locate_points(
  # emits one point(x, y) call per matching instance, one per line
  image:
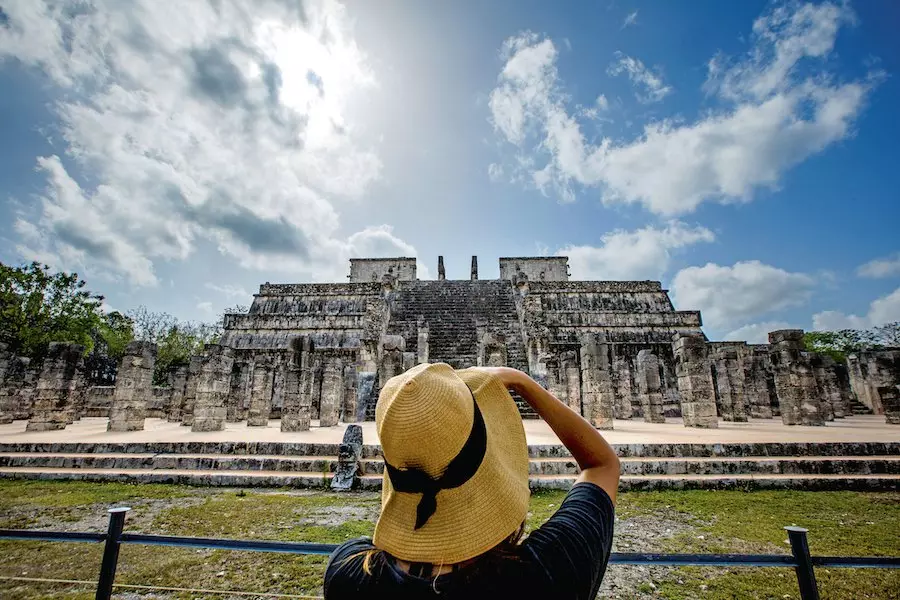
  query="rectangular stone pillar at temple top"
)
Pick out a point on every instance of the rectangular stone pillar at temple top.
point(176, 401)
point(729, 377)
point(795, 380)
point(695, 385)
point(649, 386)
point(332, 392)
point(134, 384)
point(422, 342)
point(597, 395)
point(190, 391)
point(213, 388)
point(54, 384)
point(624, 388)
point(261, 392)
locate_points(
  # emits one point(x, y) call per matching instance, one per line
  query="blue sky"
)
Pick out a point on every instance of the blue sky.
point(743, 153)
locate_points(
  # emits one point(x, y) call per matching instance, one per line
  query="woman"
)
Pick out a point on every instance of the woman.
point(455, 496)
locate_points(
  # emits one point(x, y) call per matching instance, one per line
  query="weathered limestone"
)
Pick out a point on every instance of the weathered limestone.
point(238, 392)
point(349, 456)
point(54, 387)
point(729, 377)
point(391, 352)
point(698, 401)
point(441, 273)
point(261, 392)
point(795, 381)
point(98, 399)
point(213, 388)
point(649, 387)
point(332, 392)
point(569, 372)
point(190, 391)
point(474, 270)
point(176, 401)
point(297, 409)
point(366, 393)
point(596, 382)
point(882, 373)
point(756, 385)
point(348, 404)
point(829, 387)
point(890, 400)
point(624, 387)
point(134, 381)
point(422, 342)
point(7, 400)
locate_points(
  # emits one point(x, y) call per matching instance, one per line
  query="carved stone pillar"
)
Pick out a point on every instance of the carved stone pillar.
point(296, 412)
point(756, 385)
point(829, 391)
point(261, 392)
point(238, 392)
point(190, 391)
point(650, 387)
point(348, 404)
point(176, 400)
point(596, 382)
point(332, 392)
point(391, 353)
point(624, 387)
point(795, 381)
point(571, 379)
point(7, 402)
point(134, 384)
point(890, 400)
point(54, 385)
point(698, 400)
point(883, 379)
point(213, 388)
point(729, 385)
point(422, 342)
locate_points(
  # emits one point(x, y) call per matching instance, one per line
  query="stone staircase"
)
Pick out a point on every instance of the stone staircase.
point(452, 310)
point(858, 408)
point(825, 466)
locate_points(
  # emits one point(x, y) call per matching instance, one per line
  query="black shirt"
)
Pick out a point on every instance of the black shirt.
point(565, 558)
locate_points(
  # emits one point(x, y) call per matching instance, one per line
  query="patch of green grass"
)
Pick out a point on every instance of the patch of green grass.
point(61, 494)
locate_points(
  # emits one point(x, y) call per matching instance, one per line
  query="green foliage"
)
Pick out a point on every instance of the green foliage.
point(38, 307)
point(838, 344)
point(116, 330)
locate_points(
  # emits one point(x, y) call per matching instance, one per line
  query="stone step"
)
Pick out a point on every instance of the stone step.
point(854, 465)
point(373, 482)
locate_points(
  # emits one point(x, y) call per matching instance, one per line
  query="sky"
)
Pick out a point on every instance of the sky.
point(178, 155)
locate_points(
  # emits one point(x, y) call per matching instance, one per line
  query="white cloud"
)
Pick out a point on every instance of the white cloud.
point(769, 119)
point(641, 254)
point(727, 295)
point(205, 307)
point(756, 333)
point(649, 81)
point(602, 103)
point(495, 172)
point(630, 19)
point(229, 291)
point(880, 267)
point(226, 124)
point(885, 309)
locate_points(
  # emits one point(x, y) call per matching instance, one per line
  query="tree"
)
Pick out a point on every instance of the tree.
point(838, 344)
point(38, 307)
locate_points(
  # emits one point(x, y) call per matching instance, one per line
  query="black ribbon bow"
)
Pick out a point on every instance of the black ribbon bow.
point(464, 465)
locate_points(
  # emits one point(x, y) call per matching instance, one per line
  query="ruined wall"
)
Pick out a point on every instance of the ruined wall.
point(369, 270)
point(550, 268)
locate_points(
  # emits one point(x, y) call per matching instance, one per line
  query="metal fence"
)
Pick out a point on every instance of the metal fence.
point(799, 559)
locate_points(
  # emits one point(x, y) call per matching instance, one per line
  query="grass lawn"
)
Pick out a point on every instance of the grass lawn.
point(840, 523)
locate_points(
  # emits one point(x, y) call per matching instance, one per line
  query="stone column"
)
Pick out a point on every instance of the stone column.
point(409, 361)
point(698, 400)
point(829, 391)
point(295, 415)
point(239, 390)
point(795, 380)
point(392, 348)
point(890, 400)
point(176, 402)
point(213, 387)
point(422, 342)
point(54, 385)
point(571, 380)
point(441, 274)
point(332, 392)
point(474, 271)
point(190, 391)
point(857, 380)
point(556, 383)
point(134, 385)
point(366, 394)
point(7, 402)
point(349, 409)
point(261, 392)
point(883, 379)
point(756, 386)
point(729, 385)
point(596, 382)
point(843, 382)
point(650, 387)
point(624, 387)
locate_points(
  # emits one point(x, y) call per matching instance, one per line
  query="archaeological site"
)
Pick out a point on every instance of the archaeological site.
point(308, 359)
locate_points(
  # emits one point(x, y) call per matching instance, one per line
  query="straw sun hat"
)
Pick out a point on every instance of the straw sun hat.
point(456, 464)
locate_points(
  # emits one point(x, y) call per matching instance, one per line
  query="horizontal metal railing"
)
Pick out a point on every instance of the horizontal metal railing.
point(799, 559)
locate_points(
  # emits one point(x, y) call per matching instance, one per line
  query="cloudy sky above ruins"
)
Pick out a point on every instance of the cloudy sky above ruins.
point(180, 154)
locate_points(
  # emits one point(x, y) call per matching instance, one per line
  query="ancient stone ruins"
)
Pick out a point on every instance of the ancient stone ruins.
point(320, 352)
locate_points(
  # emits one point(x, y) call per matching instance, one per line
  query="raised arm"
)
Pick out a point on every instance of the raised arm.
point(596, 458)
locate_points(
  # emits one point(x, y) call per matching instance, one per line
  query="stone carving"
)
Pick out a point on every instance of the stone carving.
point(649, 387)
point(54, 387)
point(729, 378)
point(698, 401)
point(348, 404)
point(176, 400)
point(598, 396)
point(349, 456)
point(624, 388)
point(213, 388)
point(332, 392)
point(261, 392)
point(422, 341)
point(795, 381)
point(134, 381)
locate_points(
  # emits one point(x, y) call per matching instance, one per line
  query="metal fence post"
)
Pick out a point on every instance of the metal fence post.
point(806, 577)
point(111, 552)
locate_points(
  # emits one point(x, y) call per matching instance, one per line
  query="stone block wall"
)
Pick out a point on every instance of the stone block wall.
point(134, 387)
point(98, 400)
point(52, 408)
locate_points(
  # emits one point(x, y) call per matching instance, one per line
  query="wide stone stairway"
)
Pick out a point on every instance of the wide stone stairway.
point(796, 466)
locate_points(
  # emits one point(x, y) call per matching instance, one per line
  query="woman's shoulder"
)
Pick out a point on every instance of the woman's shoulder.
point(348, 551)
